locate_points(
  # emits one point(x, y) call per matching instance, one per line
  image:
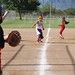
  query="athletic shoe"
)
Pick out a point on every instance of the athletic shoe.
point(61, 36)
point(39, 41)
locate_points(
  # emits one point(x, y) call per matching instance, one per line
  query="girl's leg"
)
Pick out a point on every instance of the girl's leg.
point(38, 38)
point(61, 31)
point(40, 35)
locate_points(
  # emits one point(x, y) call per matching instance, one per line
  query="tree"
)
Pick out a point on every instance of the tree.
point(58, 12)
point(21, 6)
point(70, 11)
point(32, 5)
point(45, 9)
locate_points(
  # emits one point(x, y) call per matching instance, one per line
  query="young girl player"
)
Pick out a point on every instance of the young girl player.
point(62, 27)
point(39, 28)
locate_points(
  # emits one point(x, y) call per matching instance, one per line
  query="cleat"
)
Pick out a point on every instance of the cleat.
point(61, 36)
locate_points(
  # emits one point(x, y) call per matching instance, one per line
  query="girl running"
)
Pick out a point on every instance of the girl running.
point(39, 28)
point(62, 27)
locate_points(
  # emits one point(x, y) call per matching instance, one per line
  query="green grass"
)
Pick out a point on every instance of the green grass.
point(55, 23)
point(17, 24)
point(28, 23)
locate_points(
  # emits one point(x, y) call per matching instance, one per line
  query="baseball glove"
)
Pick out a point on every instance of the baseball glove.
point(14, 38)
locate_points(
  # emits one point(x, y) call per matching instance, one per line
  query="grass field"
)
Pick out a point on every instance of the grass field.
point(28, 23)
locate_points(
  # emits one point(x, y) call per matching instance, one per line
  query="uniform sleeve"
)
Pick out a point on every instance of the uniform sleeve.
point(37, 22)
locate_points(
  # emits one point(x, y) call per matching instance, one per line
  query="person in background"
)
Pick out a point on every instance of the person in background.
point(62, 27)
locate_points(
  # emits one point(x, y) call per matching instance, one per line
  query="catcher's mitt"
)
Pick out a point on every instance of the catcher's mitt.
point(14, 38)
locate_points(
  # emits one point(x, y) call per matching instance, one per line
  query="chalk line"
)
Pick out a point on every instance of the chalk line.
point(43, 60)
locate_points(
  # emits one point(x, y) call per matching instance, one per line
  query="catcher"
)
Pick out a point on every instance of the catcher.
point(62, 27)
point(1, 38)
point(13, 38)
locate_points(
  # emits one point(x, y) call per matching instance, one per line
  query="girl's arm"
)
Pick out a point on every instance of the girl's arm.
point(33, 26)
point(43, 27)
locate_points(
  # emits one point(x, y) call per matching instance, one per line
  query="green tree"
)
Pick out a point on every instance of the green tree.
point(58, 12)
point(70, 11)
point(45, 9)
point(21, 6)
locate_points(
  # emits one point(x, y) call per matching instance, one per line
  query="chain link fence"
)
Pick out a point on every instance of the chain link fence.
point(13, 21)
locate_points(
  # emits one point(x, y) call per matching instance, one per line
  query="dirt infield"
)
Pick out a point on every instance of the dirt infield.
point(55, 56)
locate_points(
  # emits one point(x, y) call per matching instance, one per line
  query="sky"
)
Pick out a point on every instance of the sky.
point(60, 4)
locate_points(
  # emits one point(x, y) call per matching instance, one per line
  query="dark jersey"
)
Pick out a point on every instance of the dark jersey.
point(0, 20)
point(1, 38)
